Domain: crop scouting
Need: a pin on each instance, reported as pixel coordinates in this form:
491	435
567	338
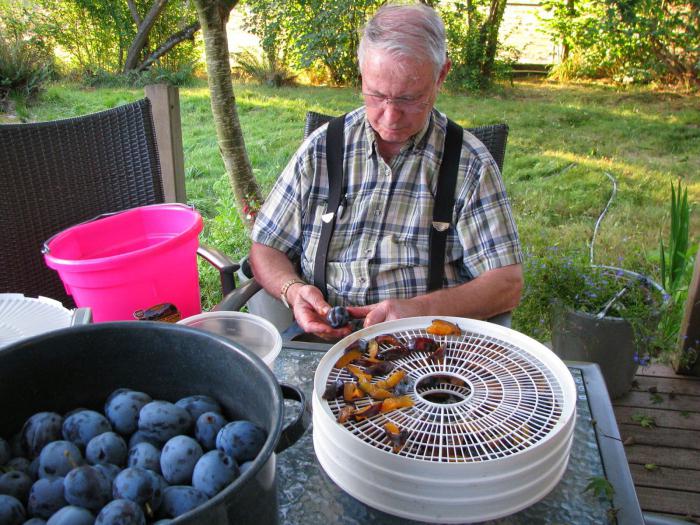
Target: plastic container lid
251	331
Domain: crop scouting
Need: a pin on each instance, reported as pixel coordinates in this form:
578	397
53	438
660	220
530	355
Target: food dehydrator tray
488	434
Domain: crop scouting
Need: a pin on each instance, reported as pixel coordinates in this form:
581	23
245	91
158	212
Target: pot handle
294	430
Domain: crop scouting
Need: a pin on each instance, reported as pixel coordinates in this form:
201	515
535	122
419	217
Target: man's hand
310	310
386	311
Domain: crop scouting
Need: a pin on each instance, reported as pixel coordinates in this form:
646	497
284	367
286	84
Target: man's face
411	88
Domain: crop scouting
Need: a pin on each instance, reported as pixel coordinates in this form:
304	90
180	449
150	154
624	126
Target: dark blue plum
108	447
34	469
39	430
121	512
35	521
19	464
146	456
72	515
178	458
141	437
179	499
164	521
214	471
83	425
338	316
110	471
197	405
207	427
162	420
11	510
5	452
242	440
143	487
58	458
17	484
87	487
122	409
45	497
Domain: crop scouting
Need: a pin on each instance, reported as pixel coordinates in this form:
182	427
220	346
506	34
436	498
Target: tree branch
134	12
173	40
139	42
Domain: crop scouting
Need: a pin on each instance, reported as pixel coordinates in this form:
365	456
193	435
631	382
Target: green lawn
563	140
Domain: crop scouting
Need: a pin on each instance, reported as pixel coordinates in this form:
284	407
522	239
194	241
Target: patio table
308	496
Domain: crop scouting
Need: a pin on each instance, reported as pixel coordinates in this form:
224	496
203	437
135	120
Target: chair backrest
56	174
493	136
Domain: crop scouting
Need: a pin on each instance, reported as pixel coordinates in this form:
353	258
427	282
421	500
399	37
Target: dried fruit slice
397	437
394	403
368	411
347	358
442	327
392	380
351	392
345	413
358	373
374	391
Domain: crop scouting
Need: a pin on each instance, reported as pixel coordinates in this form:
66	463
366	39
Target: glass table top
307	495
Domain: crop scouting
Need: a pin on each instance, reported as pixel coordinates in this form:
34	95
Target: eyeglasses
407	104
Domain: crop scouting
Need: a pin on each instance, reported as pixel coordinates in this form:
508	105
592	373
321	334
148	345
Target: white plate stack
488	434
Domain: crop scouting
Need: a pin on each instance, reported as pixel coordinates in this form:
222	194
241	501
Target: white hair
408	31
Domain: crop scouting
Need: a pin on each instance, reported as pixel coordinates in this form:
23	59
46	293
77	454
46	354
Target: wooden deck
659	423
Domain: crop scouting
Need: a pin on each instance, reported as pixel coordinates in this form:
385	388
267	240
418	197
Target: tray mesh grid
487	399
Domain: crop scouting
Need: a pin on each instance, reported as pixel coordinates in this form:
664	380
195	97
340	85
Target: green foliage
26	59
251	66
96	34
600	487
565	279
644	421
472	41
305	33
154	75
629	40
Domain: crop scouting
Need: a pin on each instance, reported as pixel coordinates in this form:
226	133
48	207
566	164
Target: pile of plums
141	461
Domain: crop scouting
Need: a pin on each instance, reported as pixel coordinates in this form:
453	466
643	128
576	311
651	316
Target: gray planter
608	341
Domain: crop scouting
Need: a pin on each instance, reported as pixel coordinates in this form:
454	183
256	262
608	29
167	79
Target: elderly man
377	260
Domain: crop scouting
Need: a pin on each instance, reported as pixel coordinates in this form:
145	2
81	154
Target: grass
563	140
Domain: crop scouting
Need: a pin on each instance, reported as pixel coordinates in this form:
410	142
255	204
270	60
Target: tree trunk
132	57
213	15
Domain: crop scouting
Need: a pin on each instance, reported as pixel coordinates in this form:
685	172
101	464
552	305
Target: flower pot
608	341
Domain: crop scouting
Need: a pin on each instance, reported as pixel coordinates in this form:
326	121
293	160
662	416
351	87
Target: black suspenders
442	210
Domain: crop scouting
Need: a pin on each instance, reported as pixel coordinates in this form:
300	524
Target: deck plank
667	478
677	502
665	437
664	459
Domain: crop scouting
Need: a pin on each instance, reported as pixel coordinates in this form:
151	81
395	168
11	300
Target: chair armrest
236	299
227	267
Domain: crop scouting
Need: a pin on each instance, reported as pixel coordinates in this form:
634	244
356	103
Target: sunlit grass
563	140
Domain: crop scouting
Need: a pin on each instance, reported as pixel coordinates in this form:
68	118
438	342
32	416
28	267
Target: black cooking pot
81	366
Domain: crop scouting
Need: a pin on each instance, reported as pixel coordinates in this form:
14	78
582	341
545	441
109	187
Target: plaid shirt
379	248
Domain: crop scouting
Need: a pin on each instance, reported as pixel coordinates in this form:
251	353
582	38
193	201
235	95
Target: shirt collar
417	141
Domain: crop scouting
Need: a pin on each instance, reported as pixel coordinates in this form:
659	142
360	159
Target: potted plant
594	313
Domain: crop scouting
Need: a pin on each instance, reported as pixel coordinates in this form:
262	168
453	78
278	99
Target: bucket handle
294	430
45	247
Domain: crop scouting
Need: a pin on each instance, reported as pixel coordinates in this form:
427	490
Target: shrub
249	65
24	68
154	75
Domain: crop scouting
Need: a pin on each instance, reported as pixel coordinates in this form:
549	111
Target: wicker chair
494	137
57	174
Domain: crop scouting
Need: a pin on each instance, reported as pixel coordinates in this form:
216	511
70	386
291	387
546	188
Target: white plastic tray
22	317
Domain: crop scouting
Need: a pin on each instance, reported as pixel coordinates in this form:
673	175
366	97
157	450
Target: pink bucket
131	261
